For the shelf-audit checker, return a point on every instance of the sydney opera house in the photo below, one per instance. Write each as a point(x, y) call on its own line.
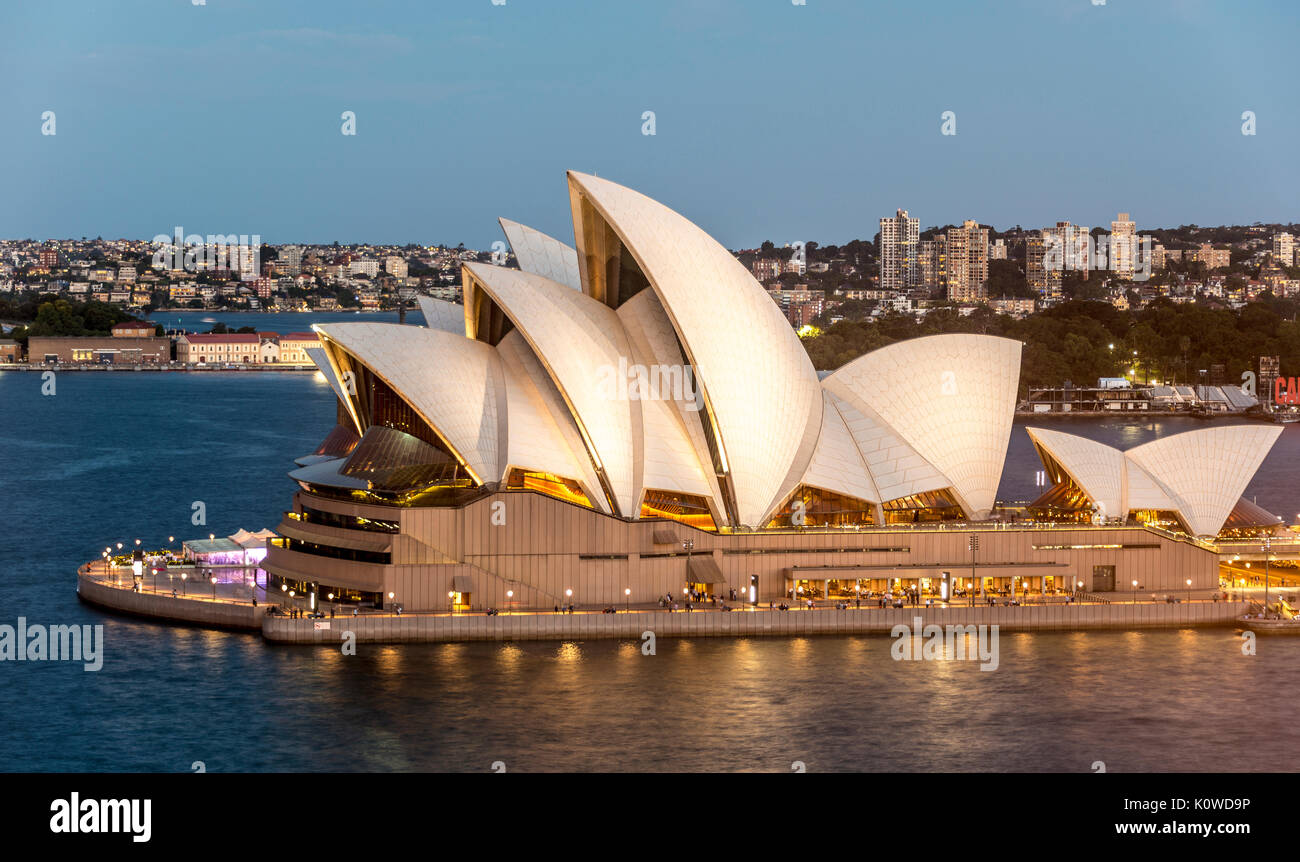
point(633, 416)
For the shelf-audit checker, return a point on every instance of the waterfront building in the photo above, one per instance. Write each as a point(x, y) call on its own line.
point(294, 347)
point(100, 350)
point(898, 248)
point(217, 348)
point(245, 348)
point(621, 433)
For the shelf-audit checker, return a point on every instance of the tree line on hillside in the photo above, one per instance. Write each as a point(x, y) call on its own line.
point(51, 315)
point(1082, 340)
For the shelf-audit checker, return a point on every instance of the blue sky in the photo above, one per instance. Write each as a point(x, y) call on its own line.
point(773, 121)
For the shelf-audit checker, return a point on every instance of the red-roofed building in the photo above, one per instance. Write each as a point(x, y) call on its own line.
point(240, 347)
point(246, 348)
point(293, 347)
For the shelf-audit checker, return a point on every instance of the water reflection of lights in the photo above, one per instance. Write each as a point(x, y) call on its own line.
point(569, 652)
point(510, 657)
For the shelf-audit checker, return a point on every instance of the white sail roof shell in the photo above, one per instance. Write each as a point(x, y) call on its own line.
point(1199, 474)
point(1094, 467)
point(952, 398)
point(758, 382)
point(542, 436)
point(579, 341)
point(1207, 470)
point(669, 458)
point(542, 254)
point(837, 464)
point(896, 469)
point(317, 355)
point(441, 314)
point(453, 382)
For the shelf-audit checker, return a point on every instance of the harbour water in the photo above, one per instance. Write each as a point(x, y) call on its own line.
point(111, 458)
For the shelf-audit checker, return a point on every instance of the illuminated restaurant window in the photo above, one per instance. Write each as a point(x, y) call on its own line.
point(550, 485)
point(819, 508)
point(687, 508)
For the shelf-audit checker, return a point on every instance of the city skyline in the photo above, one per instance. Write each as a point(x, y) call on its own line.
point(448, 104)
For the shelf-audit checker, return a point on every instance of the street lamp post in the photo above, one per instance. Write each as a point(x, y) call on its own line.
point(688, 545)
point(974, 544)
point(627, 598)
point(1268, 545)
point(1135, 592)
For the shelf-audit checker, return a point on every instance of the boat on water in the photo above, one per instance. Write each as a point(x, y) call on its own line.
point(1271, 625)
point(1280, 619)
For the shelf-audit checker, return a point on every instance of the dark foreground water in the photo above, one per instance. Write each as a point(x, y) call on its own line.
point(114, 457)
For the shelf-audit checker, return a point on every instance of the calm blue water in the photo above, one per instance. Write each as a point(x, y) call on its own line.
point(282, 322)
point(113, 457)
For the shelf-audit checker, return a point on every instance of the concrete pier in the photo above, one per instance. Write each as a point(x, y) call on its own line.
point(592, 625)
point(160, 606)
point(447, 628)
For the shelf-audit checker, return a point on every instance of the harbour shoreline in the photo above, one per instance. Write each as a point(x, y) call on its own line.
point(635, 624)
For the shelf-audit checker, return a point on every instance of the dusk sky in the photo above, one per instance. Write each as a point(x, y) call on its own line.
point(773, 121)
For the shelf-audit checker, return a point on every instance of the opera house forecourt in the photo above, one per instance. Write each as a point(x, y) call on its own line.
point(633, 418)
